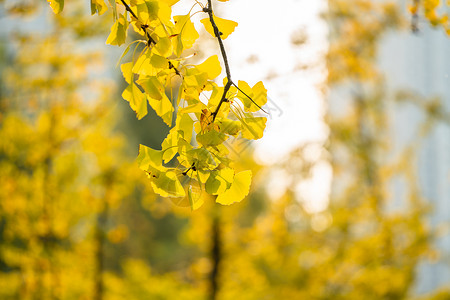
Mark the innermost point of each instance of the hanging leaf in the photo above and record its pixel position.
(226, 27)
(56, 5)
(238, 189)
(98, 7)
(118, 32)
(253, 98)
(219, 181)
(137, 100)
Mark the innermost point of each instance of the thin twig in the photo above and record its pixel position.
(143, 27)
(227, 87)
(250, 98)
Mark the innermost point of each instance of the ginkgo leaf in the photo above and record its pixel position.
(201, 158)
(185, 33)
(253, 127)
(210, 66)
(149, 157)
(196, 107)
(163, 108)
(166, 184)
(151, 12)
(238, 189)
(210, 138)
(219, 181)
(56, 5)
(170, 145)
(254, 98)
(118, 32)
(195, 199)
(127, 71)
(114, 8)
(185, 126)
(163, 47)
(137, 100)
(98, 6)
(230, 127)
(216, 96)
(150, 64)
(152, 86)
(226, 27)
(172, 2)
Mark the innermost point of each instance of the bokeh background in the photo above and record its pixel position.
(351, 191)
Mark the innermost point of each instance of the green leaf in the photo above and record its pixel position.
(219, 181)
(238, 189)
(137, 100)
(118, 32)
(56, 5)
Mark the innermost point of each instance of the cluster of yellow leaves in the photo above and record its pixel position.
(436, 11)
(201, 104)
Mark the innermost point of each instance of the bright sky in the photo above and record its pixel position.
(264, 32)
(260, 49)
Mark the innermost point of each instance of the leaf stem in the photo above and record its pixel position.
(227, 87)
(143, 27)
(249, 98)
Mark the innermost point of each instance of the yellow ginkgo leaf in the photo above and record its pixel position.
(253, 127)
(167, 185)
(163, 108)
(118, 32)
(127, 73)
(152, 86)
(238, 189)
(172, 2)
(219, 181)
(98, 6)
(253, 98)
(185, 33)
(226, 27)
(211, 66)
(56, 5)
(149, 157)
(137, 100)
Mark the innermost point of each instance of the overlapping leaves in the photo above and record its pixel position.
(193, 159)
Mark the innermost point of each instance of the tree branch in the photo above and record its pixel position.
(217, 33)
(143, 27)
